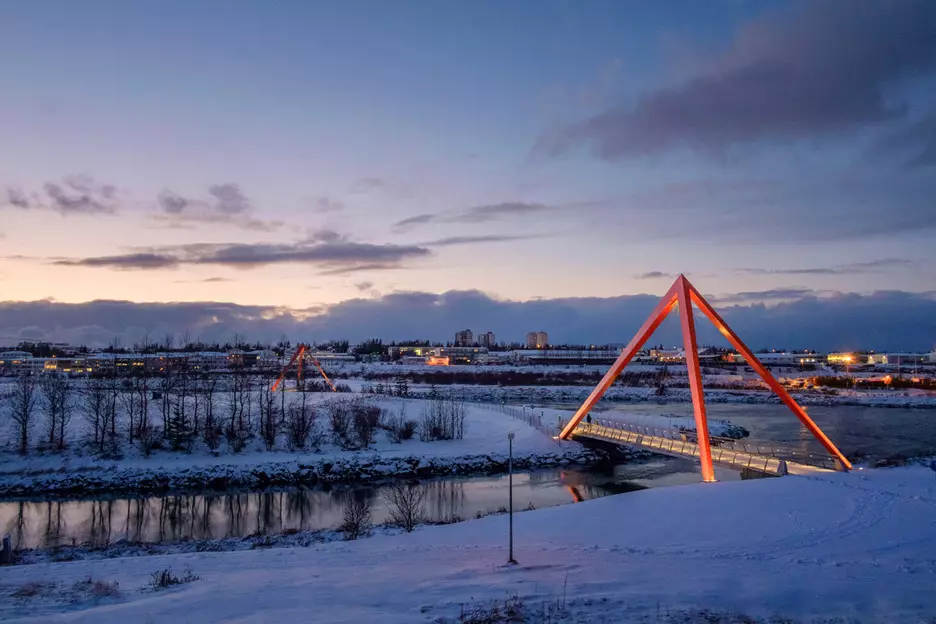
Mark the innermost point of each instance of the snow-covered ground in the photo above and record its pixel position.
(858, 546)
(544, 395)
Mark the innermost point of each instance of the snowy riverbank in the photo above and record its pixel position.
(482, 450)
(860, 547)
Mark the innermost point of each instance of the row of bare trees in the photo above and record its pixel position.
(172, 411)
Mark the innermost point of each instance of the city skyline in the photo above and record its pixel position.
(299, 170)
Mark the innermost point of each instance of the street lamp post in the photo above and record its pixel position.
(510, 438)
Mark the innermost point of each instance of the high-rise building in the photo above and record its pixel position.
(487, 339)
(537, 340)
(464, 338)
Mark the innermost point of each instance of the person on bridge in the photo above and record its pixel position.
(588, 419)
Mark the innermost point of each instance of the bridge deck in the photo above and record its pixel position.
(676, 444)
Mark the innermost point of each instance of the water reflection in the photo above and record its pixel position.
(210, 516)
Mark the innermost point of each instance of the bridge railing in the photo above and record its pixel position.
(721, 444)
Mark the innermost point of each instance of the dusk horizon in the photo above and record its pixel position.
(317, 179)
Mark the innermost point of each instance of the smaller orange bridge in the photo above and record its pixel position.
(683, 295)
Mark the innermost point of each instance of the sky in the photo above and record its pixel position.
(408, 169)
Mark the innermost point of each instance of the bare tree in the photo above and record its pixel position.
(95, 408)
(57, 400)
(129, 399)
(211, 429)
(300, 420)
(269, 417)
(357, 516)
(23, 401)
(406, 504)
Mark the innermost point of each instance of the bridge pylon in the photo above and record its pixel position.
(683, 295)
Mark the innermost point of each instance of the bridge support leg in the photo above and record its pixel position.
(695, 380)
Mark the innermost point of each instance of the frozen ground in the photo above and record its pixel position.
(859, 546)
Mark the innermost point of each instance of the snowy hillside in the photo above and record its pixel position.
(859, 546)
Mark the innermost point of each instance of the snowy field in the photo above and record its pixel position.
(858, 547)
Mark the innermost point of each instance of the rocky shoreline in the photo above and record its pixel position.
(355, 470)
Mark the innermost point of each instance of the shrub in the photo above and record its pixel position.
(406, 504)
(357, 517)
(165, 578)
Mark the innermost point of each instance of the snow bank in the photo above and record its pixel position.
(859, 546)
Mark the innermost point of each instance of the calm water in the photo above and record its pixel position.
(872, 433)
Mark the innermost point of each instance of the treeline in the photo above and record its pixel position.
(173, 411)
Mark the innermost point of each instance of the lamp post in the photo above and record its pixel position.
(510, 438)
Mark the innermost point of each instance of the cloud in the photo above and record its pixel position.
(475, 214)
(840, 269)
(817, 69)
(337, 256)
(473, 240)
(17, 198)
(134, 261)
(81, 194)
(839, 321)
(364, 286)
(411, 222)
(327, 204)
(227, 205)
(172, 203)
(655, 275)
(215, 280)
(229, 199)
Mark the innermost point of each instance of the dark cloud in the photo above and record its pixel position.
(411, 222)
(134, 261)
(229, 199)
(819, 68)
(839, 269)
(885, 320)
(215, 280)
(17, 198)
(335, 255)
(172, 203)
(473, 240)
(364, 286)
(655, 275)
(81, 195)
(475, 214)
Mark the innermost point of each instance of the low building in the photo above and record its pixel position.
(898, 358)
(844, 359)
(463, 355)
(396, 352)
(565, 356)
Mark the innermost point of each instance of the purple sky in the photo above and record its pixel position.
(340, 165)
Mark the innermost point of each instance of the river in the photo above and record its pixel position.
(871, 433)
